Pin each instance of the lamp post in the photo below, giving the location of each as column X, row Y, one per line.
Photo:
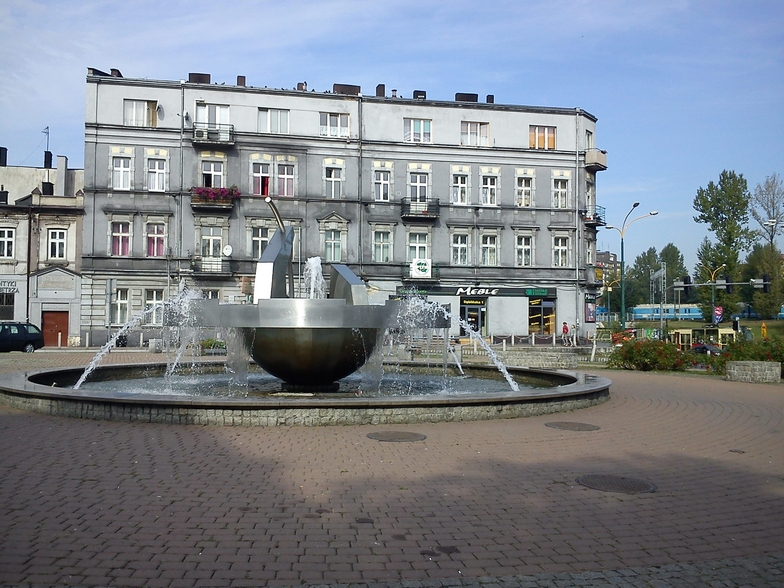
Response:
column 713, row 289
column 622, row 231
column 608, row 286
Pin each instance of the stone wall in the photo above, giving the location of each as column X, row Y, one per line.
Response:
column 754, row 371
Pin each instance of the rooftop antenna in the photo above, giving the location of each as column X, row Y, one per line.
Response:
column 46, row 153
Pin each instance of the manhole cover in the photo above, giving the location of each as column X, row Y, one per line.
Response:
column 608, row 483
column 396, row 436
column 568, row 426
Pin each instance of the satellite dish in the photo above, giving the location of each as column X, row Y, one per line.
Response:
column 227, row 250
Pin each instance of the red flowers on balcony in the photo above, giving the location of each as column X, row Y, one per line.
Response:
column 217, row 193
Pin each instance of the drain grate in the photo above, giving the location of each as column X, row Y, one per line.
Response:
column 396, row 436
column 609, row 483
column 569, row 426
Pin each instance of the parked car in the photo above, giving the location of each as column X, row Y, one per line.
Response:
column 20, row 337
column 706, row 349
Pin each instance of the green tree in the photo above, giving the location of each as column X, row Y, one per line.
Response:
column 767, row 207
column 638, row 278
column 711, row 258
column 764, row 259
column 676, row 268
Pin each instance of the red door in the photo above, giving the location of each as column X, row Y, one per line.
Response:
column 54, row 324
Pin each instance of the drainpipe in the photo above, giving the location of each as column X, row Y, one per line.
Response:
column 579, row 243
column 360, row 249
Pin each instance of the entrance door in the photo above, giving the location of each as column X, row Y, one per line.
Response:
column 55, row 328
column 474, row 312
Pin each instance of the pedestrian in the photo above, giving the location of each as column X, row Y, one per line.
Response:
column 574, row 335
column 565, row 334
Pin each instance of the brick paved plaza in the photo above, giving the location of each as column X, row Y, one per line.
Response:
column 494, row 503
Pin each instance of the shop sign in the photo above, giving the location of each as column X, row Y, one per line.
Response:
column 469, row 291
column 471, row 302
column 8, row 287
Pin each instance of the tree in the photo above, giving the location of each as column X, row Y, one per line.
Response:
column 724, row 207
column 676, row 268
column 708, row 270
column 767, row 207
column 764, row 259
column 638, row 278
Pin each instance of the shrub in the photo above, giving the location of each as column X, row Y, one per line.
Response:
column 646, row 355
column 743, row 350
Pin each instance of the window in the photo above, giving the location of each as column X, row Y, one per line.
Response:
column 489, row 190
column 6, row 243
column 212, row 115
column 541, row 137
column 156, row 175
column 210, row 294
column 261, row 179
column 381, row 185
column 153, row 307
column 332, row 238
column 273, row 121
column 285, row 180
column 332, row 182
column 211, row 242
column 259, row 239
column 460, row 249
column 525, row 191
column 7, row 301
column 57, row 243
column 382, row 246
column 560, row 193
column 417, row 246
column 561, row 251
column 140, row 113
column 525, row 250
column 490, row 250
column 156, row 239
column 418, row 188
column 416, row 130
column 459, row 189
column 121, row 238
column 333, row 124
column 119, row 308
column 474, row 133
column 121, row 173
column 212, row 174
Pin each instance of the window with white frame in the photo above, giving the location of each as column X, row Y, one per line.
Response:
column 418, row 246
column 561, row 251
column 153, row 307
column 459, row 189
column 332, row 245
column 525, row 251
column 212, row 115
column 333, row 182
column 121, row 173
column 57, row 240
column 474, row 133
column 416, row 130
column 156, row 239
column 285, row 179
column 121, row 238
column 524, row 196
column 418, row 184
column 560, row 193
column 156, row 175
column 259, row 239
column 382, row 246
column 381, row 185
column 590, row 252
column 275, row 121
column 120, row 306
column 460, row 248
column 140, row 113
column 333, row 124
column 489, row 190
column 541, row 137
column 7, row 242
column 211, row 242
column 261, row 179
column 489, row 250
column 212, row 174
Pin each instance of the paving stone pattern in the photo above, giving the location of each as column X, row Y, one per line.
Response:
column 488, row 503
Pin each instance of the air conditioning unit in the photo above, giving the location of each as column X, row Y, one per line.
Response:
column 421, row 268
column 199, row 133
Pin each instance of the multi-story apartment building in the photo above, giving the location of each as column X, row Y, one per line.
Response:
column 488, row 208
column 41, row 212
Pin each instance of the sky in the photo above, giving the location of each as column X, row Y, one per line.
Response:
column 682, row 89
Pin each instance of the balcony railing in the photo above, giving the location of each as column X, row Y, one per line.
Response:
column 596, row 159
column 211, row 265
column 427, row 210
column 212, row 134
column 595, row 216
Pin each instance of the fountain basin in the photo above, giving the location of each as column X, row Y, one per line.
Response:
column 35, row 392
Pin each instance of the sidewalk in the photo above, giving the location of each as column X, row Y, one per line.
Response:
column 494, row 503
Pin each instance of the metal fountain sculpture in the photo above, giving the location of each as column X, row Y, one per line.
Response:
column 310, row 344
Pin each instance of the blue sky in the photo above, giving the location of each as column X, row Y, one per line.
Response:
column 683, row 89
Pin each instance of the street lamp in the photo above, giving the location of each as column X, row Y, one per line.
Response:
column 608, row 286
column 713, row 289
column 622, row 231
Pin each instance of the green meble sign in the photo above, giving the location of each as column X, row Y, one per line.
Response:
column 536, row 292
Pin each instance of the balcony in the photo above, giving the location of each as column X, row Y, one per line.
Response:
column 216, row 200
column 595, row 216
column 212, row 134
column 210, row 265
column 595, row 160
column 419, row 211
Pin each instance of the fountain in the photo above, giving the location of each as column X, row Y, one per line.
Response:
column 308, row 345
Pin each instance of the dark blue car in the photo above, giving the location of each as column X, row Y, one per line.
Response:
column 20, row 337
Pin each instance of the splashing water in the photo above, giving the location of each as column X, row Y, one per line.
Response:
column 315, row 285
